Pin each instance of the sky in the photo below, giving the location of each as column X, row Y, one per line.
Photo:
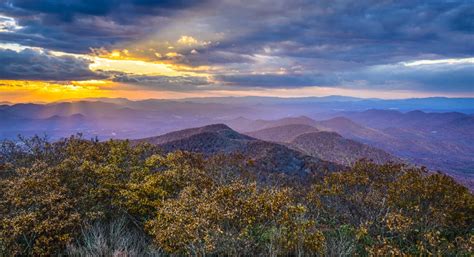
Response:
column 53, row 50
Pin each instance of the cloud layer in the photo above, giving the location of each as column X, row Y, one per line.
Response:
column 32, row 64
column 244, row 44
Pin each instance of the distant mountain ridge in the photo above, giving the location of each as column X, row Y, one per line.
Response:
column 448, row 147
column 325, row 145
column 283, row 133
column 333, row 147
column 413, row 119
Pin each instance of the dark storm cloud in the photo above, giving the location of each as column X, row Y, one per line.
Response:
column 68, row 10
column 35, row 65
column 367, row 32
column 360, row 31
column 78, row 25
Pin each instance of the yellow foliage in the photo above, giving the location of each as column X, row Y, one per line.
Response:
column 190, row 205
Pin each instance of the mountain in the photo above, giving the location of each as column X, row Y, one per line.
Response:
column 53, row 127
column 333, row 147
column 439, row 141
column 282, row 134
column 325, row 145
column 218, row 130
column 116, row 118
column 416, row 120
column 219, row 138
column 308, row 105
column 247, row 125
column 286, row 129
column 43, row 111
column 349, row 129
column 123, row 118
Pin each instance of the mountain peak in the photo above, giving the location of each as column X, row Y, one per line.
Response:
column 218, row 129
column 219, row 138
column 214, row 127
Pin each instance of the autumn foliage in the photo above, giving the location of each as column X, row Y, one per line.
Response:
column 65, row 198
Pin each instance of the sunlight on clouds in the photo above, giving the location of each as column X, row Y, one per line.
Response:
column 132, row 66
column 115, row 54
column 138, row 67
column 8, row 24
column 122, row 60
column 440, row 61
column 191, row 41
column 157, row 46
column 91, row 82
column 13, row 47
column 172, row 54
column 187, row 40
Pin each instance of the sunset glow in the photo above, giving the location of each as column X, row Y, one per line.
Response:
column 219, row 49
column 40, row 91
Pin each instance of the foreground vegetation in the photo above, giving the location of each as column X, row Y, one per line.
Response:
column 83, row 197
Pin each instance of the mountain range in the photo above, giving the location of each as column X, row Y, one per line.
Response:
column 434, row 132
column 450, row 148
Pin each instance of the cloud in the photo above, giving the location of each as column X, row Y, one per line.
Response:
column 328, row 37
column 275, row 80
column 171, row 83
column 435, row 76
column 78, row 25
column 206, row 57
column 8, row 24
column 355, row 31
column 29, row 64
column 445, row 75
column 344, row 43
column 188, row 40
